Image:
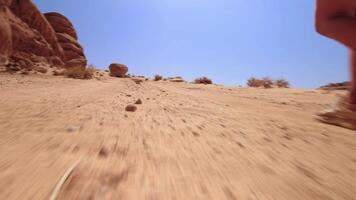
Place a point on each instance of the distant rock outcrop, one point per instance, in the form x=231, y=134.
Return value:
x=176, y=79
x=118, y=70
x=337, y=86
x=29, y=38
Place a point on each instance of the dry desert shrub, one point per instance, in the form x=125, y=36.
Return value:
x=203, y=80
x=79, y=72
x=157, y=77
x=267, y=83
x=254, y=82
x=282, y=83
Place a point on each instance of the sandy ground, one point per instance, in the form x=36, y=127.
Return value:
x=184, y=142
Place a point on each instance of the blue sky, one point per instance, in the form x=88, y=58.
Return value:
x=226, y=40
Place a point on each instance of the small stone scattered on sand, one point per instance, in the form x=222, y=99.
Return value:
x=139, y=101
x=71, y=129
x=103, y=152
x=131, y=108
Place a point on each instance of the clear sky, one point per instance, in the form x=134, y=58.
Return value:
x=226, y=40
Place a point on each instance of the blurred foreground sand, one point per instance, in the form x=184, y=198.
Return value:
x=184, y=142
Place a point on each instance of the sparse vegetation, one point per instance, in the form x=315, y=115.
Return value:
x=282, y=83
x=157, y=77
x=203, y=80
x=79, y=72
x=267, y=83
x=254, y=82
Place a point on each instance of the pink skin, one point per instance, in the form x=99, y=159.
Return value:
x=336, y=19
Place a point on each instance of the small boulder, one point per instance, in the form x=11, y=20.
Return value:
x=118, y=70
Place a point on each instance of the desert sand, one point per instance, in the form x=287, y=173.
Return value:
x=185, y=141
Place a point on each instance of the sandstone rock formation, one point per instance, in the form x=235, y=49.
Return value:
x=29, y=38
x=118, y=70
x=67, y=38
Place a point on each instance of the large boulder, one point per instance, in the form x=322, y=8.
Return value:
x=118, y=70
x=29, y=38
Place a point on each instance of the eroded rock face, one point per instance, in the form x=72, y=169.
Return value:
x=5, y=36
x=67, y=38
x=28, y=37
x=28, y=13
x=118, y=70
x=61, y=24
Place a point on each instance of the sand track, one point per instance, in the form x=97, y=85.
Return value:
x=184, y=142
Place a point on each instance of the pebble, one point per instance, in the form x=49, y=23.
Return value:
x=138, y=101
x=131, y=108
